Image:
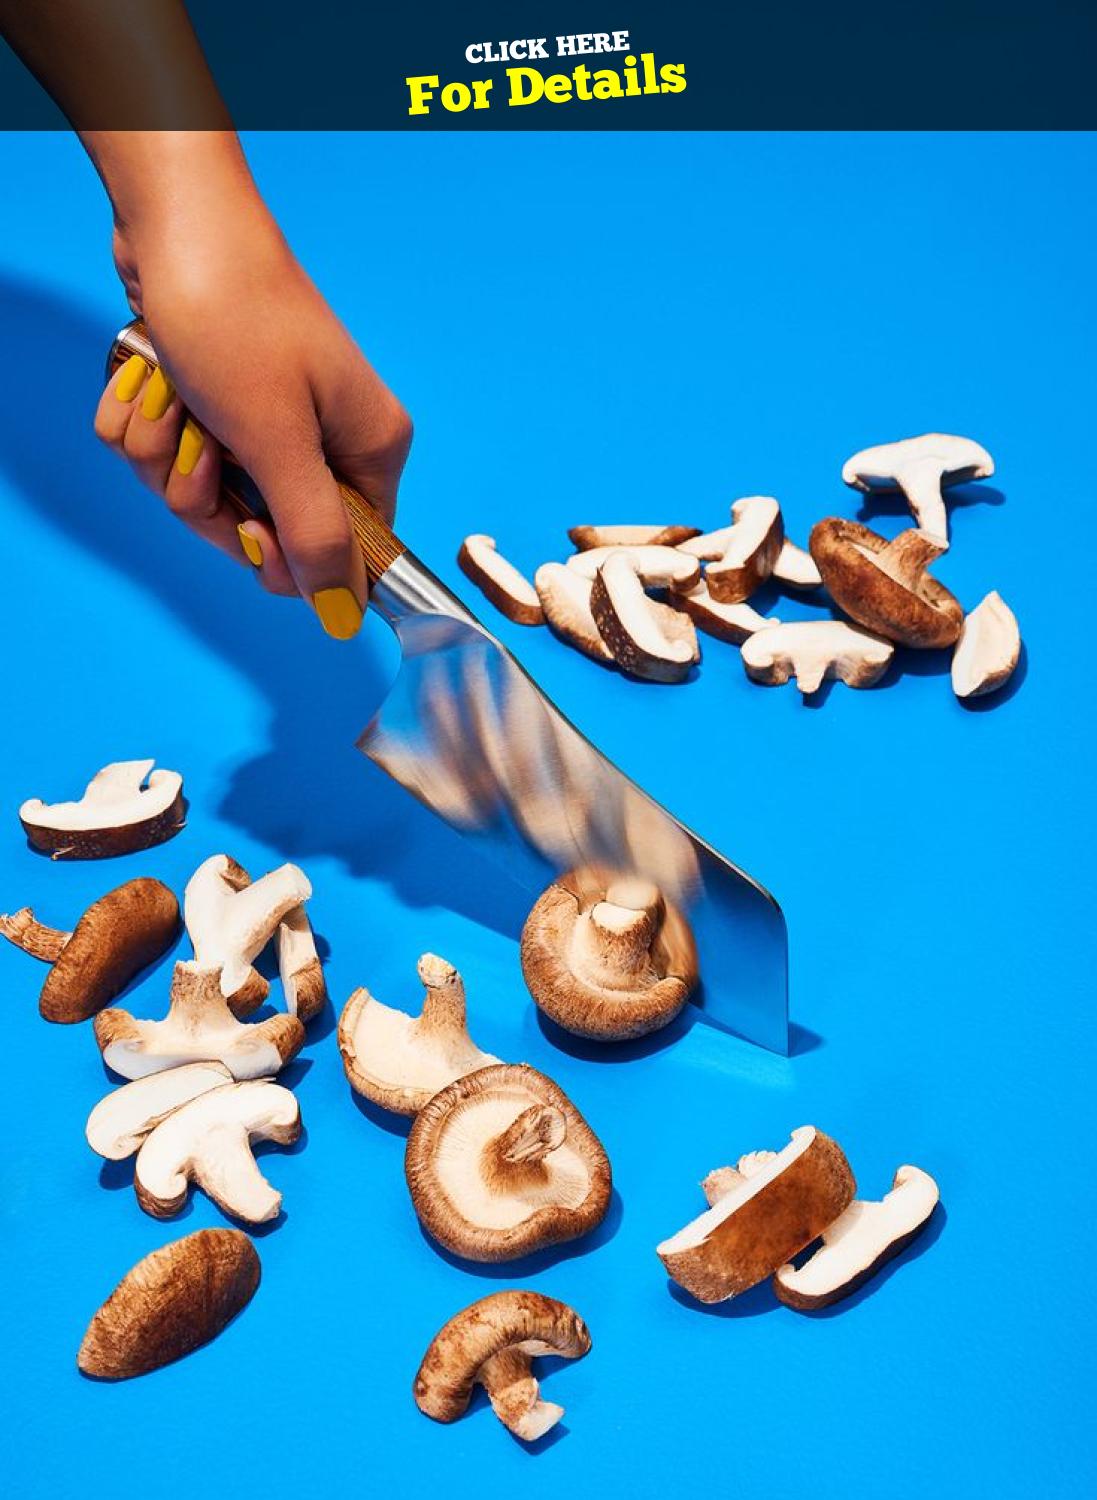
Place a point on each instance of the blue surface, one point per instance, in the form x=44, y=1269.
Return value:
x=595, y=329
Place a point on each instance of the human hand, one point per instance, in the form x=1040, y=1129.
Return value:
x=253, y=361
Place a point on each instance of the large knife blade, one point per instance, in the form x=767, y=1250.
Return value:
x=471, y=735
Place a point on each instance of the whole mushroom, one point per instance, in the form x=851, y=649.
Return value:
x=884, y=585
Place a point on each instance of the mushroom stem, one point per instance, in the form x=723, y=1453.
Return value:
x=515, y=1396
x=610, y=944
x=444, y=1001
x=922, y=487
x=525, y=1143
x=907, y=557
x=34, y=937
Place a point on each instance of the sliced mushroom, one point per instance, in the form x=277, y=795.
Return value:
x=795, y=567
x=117, y=814
x=565, y=599
x=812, y=650
x=171, y=1303
x=511, y=593
x=208, y=1142
x=608, y=958
x=763, y=1220
x=493, y=1343
x=708, y=546
x=400, y=1061
x=199, y=1027
x=988, y=650
x=120, y=1122
x=500, y=1163
x=861, y=1240
x=656, y=567
x=587, y=537
x=922, y=468
x=753, y=545
x=299, y=966
x=728, y=622
x=648, y=639
x=230, y=919
x=118, y=936
x=884, y=585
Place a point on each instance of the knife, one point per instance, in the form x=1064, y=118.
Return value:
x=472, y=736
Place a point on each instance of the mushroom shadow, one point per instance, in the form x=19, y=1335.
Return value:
x=1009, y=689
x=543, y=1367
x=587, y=1049
x=540, y=1260
x=117, y=1174
x=933, y=1231
x=389, y=1121
x=876, y=503
x=757, y=1299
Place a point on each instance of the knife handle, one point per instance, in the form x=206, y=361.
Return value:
x=377, y=542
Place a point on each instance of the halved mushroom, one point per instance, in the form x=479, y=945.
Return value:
x=493, y=1343
x=884, y=585
x=171, y=1302
x=500, y=1163
x=728, y=622
x=922, y=468
x=117, y=814
x=656, y=567
x=861, y=1240
x=988, y=650
x=511, y=593
x=648, y=639
x=565, y=599
x=765, y=1218
x=795, y=567
x=299, y=966
x=118, y=936
x=230, y=919
x=120, y=1122
x=754, y=543
x=587, y=537
x=606, y=957
x=208, y=1142
x=400, y=1061
x=811, y=650
x=199, y=1027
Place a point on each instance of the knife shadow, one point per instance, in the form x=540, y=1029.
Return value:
x=309, y=793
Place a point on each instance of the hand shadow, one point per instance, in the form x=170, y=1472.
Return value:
x=310, y=792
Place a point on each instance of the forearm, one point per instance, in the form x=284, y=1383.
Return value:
x=162, y=176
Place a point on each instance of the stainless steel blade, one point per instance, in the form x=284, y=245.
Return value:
x=473, y=737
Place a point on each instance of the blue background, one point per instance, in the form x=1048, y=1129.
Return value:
x=589, y=329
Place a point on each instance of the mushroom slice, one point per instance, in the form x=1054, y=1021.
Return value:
x=171, y=1303
x=299, y=966
x=511, y=593
x=861, y=1240
x=766, y=1218
x=230, y=919
x=753, y=545
x=199, y=1027
x=565, y=599
x=587, y=537
x=795, y=567
x=728, y=622
x=117, y=814
x=656, y=567
x=811, y=650
x=118, y=936
x=608, y=958
x=709, y=546
x=400, y=1061
x=500, y=1163
x=648, y=639
x=493, y=1343
x=120, y=1122
x=884, y=585
x=208, y=1141
x=988, y=650
x=922, y=468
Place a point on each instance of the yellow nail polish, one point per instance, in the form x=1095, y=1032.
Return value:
x=339, y=611
x=190, y=448
x=159, y=394
x=252, y=550
x=132, y=378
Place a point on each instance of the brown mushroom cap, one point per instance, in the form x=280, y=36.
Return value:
x=500, y=1163
x=118, y=936
x=884, y=585
x=492, y=1343
x=606, y=957
x=170, y=1303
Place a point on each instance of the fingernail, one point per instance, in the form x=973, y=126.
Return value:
x=252, y=550
x=159, y=394
x=339, y=611
x=132, y=378
x=190, y=448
